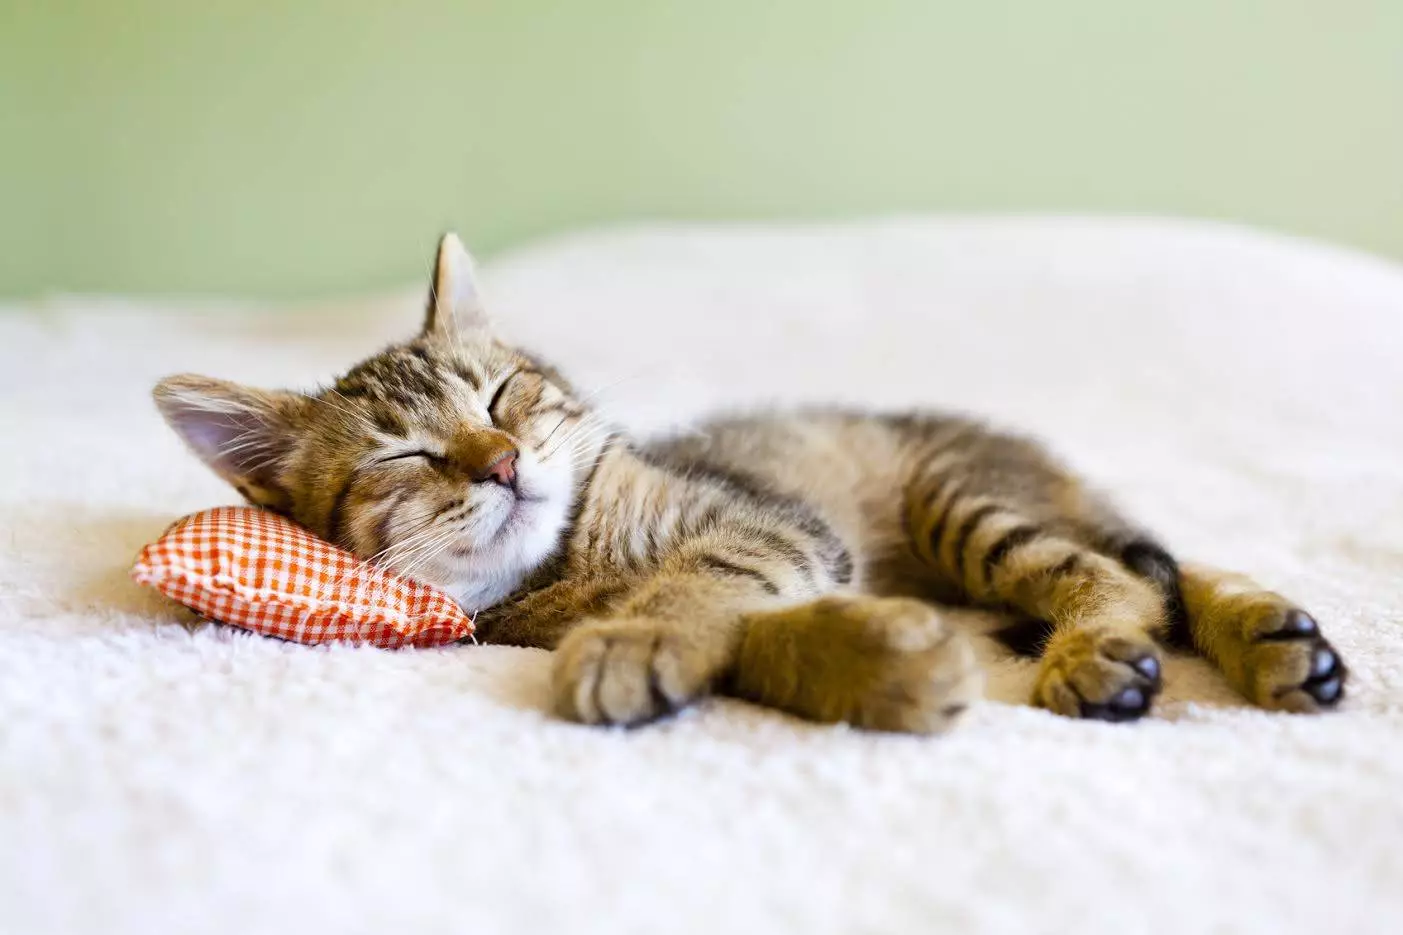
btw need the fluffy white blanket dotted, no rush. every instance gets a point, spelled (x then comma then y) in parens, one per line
(1239, 392)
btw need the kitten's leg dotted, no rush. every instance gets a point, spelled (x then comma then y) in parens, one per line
(667, 636)
(630, 649)
(877, 663)
(885, 664)
(1100, 660)
(1269, 649)
(737, 623)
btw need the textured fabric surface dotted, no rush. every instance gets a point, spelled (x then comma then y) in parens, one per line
(260, 571)
(1238, 392)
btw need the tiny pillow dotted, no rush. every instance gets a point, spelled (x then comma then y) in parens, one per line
(257, 570)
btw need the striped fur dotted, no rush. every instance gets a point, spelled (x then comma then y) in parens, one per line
(797, 559)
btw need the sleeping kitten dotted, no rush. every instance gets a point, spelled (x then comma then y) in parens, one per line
(795, 559)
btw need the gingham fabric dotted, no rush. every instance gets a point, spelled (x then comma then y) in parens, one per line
(257, 570)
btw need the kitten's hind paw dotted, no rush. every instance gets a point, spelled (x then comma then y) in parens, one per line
(1099, 675)
(1288, 665)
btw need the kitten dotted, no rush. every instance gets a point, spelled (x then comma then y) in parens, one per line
(796, 559)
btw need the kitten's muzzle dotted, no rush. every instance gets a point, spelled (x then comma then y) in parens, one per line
(502, 470)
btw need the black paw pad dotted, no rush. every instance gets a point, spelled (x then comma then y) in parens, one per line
(1131, 699)
(1148, 666)
(1298, 625)
(1126, 705)
(1327, 676)
(1327, 692)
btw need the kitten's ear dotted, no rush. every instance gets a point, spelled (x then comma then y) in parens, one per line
(244, 434)
(455, 305)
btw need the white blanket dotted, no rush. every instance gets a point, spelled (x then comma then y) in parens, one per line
(1241, 393)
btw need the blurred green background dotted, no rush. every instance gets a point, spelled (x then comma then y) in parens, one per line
(296, 148)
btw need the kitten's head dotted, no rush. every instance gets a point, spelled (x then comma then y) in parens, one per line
(451, 458)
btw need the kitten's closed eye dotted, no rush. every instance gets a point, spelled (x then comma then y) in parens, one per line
(406, 455)
(497, 396)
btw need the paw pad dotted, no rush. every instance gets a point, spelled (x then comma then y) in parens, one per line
(1327, 676)
(1148, 666)
(1296, 625)
(1099, 677)
(1294, 668)
(1126, 705)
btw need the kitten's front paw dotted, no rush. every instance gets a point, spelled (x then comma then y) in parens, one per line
(878, 663)
(1104, 676)
(625, 672)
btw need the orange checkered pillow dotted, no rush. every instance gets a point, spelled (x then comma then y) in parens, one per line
(254, 569)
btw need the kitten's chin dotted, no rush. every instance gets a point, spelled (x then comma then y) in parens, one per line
(477, 595)
(528, 537)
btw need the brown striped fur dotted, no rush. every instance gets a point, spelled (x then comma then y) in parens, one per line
(797, 559)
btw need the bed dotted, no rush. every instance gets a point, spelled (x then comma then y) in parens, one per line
(1239, 391)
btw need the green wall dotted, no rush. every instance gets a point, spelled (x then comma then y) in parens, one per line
(282, 148)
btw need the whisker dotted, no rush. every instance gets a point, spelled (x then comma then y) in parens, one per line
(423, 527)
(422, 532)
(606, 387)
(429, 552)
(579, 441)
(582, 416)
(583, 401)
(375, 570)
(393, 552)
(584, 442)
(412, 558)
(585, 425)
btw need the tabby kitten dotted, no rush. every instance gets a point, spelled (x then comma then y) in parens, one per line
(795, 559)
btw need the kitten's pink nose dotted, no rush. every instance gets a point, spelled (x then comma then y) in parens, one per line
(503, 470)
